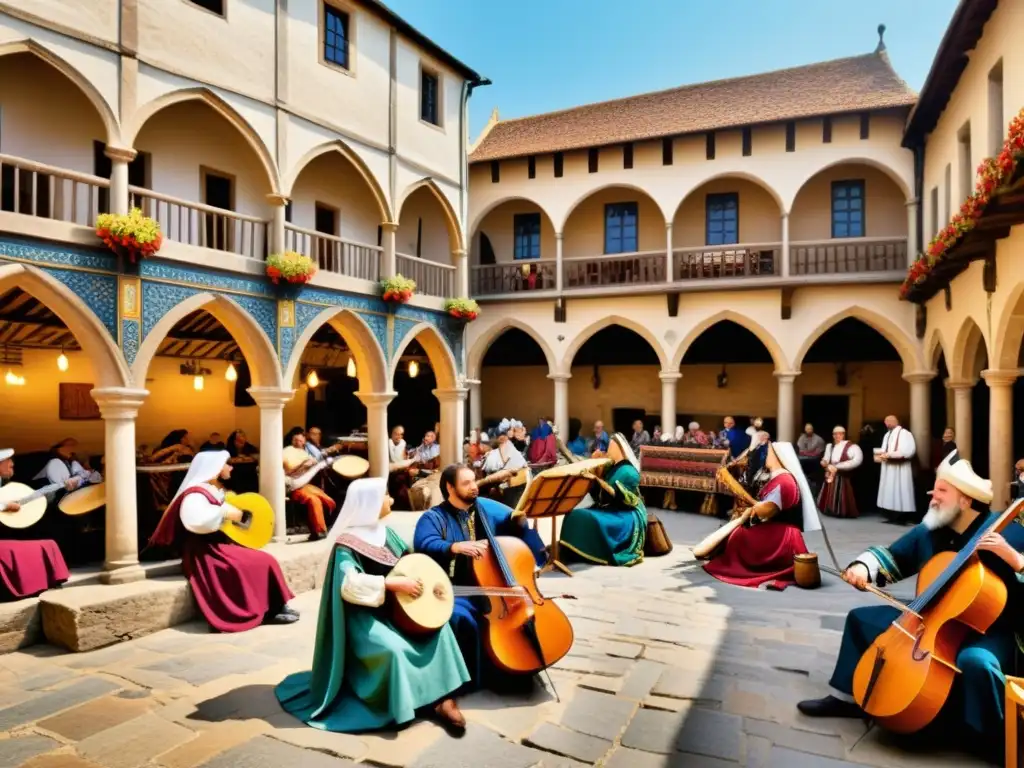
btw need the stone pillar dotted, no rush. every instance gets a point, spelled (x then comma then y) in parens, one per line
(1000, 434)
(912, 245)
(476, 405)
(388, 263)
(271, 402)
(276, 232)
(119, 407)
(460, 260)
(119, 195)
(378, 433)
(561, 414)
(669, 270)
(669, 380)
(963, 418)
(786, 417)
(784, 253)
(920, 413)
(558, 262)
(453, 431)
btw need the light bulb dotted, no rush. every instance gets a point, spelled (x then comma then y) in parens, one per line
(11, 379)
(414, 369)
(62, 362)
(351, 369)
(312, 381)
(198, 383)
(231, 374)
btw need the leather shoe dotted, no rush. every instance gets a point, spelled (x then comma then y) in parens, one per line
(283, 618)
(830, 706)
(451, 717)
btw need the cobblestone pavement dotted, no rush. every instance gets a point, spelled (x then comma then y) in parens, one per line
(669, 668)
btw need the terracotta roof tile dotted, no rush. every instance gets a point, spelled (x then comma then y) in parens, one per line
(844, 85)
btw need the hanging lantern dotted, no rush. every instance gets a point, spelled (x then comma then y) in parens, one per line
(13, 380)
(351, 369)
(414, 369)
(198, 383)
(62, 361)
(312, 381)
(231, 374)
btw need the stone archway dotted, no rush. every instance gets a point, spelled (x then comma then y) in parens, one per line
(764, 336)
(371, 367)
(908, 348)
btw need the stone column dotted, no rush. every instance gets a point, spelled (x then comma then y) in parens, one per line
(786, 417)
(119, 195)
(784, 253)
(669, 380)
(453, 431)
(1000, 434)
(561, 414)
(119, 407)
(912, 244)
(378, 433)
(920, 413)
(963, 418)
(476, 405)
(669, 270)
(558, 262)
(388, 262)
(276, 232)
(460, 260)
(271, 402)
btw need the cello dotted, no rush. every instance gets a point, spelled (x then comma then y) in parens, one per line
(527, 634)
(904, 679)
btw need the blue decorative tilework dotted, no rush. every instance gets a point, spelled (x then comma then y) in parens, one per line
(451, 330)
(402, 327)
(206, 279)
(57, 255)
(160, 298)
(130, 340)
(286, 345)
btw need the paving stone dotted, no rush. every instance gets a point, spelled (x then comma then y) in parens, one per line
(780, 757)
(243, 703)
(210, 743)
(205, 667)
(562, 741)
(114, 654)
(654, 731)
(677, 685)
(293, 731)
(619, 648)
(639, 682)
(598, 714)
(635, 758)
(479, 747)
(52, 702)
(715, 734)
(59, 761)
(264, 752)
(46, 679)
(601, 683)
(791, 738)
(386, 750)
(14, 752)
(95, 716)
(133, 743)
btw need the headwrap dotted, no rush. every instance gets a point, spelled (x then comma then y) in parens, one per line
(504, 427)
(791, 462)
(205, 467)
(627, 451)
(6, 453)
(360, 514)
(961, 475)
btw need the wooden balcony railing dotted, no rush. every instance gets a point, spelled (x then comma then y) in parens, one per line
(848, 256)
(333, 254)
(41, 190)
(723, 261)
(509, 277)
(203, 225)
(432, 279)
(640, 268)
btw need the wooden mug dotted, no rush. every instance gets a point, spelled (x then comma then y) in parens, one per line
(805, 571)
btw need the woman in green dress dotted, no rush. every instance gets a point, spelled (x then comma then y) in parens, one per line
(366, 674)
(612, 531)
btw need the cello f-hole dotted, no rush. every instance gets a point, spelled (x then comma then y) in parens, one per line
(916, 653)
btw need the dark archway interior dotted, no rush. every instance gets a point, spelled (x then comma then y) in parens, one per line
(514, 347)
(851, 341)
(616, 345)
(726, 342)
(415, 407)
(333, 405)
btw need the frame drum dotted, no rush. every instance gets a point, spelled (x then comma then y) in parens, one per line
(83, 500)
(351, 467)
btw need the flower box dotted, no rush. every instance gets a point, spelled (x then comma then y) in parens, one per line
(462, 309)
(132, 234)
(290, 267)
(397, 289)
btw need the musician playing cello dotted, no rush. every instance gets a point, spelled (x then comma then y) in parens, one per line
(450, 534)
(366, 673)
(236, 588)
(949, 524)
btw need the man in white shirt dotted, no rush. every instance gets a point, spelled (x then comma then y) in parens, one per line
(65, 468)
(896, 483)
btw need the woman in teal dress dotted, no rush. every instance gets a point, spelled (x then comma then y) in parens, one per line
(366, 674)
(612, 531)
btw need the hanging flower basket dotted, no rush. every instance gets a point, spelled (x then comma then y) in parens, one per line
(132, 234)
(290, 267)
(993, 174)
(397, 289)
(462, 309)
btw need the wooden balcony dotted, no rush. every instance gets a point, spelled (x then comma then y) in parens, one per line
(848, 256)
(511, 277)
(334, 254)
(715, 262)
(432, 279)
(641, 268)
(46, 192)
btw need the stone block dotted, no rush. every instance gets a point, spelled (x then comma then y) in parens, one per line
(211, 743)
(715, 734)
(94, 716)
(780, 757)
(52, 702)
(635, 758)
(479, 747)
(133, 743)
(598, 714)
(655, 731)
(562, 741)
(46, 679)
(264, 752)
(641, 679)
(14, 752)
(791, 738)
(20, 624)
(59, 760)
(198, 669)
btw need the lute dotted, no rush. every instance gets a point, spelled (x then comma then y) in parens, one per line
(32, 502)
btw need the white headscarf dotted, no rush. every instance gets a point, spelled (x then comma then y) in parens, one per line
(206, 466)
(790, 461)
(360, 514)
(627, 450)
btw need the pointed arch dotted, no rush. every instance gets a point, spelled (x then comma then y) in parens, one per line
(934, 346)
(340, 147)
(905, 185)
(584, 335)
(90, 333)
(455, 237)
(104, 109)
(222, 108)
(763, 335)
(752, 178)
(560, 226)
(479, 349)
(256, 347)
(441, 358)
(478, 220)
(905, 346)
(371, 367)
(969, 339)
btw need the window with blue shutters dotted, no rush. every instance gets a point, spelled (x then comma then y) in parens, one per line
(621, 226)
(722, 225)
(848, 208)
(527, 236)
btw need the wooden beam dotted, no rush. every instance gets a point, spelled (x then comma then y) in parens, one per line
(787, 303)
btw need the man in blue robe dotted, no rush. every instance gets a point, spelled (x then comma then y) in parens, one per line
(737, 438)
(451, 534)
(975, 710)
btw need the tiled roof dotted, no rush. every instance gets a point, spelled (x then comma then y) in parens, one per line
(853, 84)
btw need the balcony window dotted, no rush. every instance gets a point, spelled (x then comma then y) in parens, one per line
(848, 208)
(527, 236)
(723, 219)
(336, 37)
(213, 6)
(620, 228)
(429, 92)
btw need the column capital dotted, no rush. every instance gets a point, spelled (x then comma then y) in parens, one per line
(956, 384)
(451, 395)
(472, 382)
(558, 235)
(119, 402)
(458, 253)
(668, 225)
(668, 376)
(275, 199)
(997, 378)
(270, 397)
(120, 154)
(784, 215)
(919, 377)
(376, 398)
(389, 226)
(912, 202)
(786, 377)
(559, 376)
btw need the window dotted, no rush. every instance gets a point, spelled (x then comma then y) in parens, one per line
(429, 97)
(996, 129)
(213, 6)
(627, 156)
(865, 125)
(218, 191)
(948, 213)
(826, 131)
(531, 167)
(666, 151)
(747, 142)
(336, 37)
(709, 146)
(791, 137)
(495, 171)
(620, 228)
(326, 219)
(526, 229)
(935, 211)
(848, 208)
(722, 213)
(288, 216)
(966, 168)
(559, 164)
(592, 157)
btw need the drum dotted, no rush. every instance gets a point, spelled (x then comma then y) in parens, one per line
(84, 500)
(805, 571)
(351, 467)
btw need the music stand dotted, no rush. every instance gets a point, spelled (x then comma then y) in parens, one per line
(557, 491)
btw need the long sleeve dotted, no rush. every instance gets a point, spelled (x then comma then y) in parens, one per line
(198, 515)
(56, 472)
(362, 588)
(827, 458)
(90, 476)
(901, 560)
(856, 458)
(906, 445)
(429, 538)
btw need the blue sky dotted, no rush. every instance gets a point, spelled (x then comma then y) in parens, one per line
(550, 54)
